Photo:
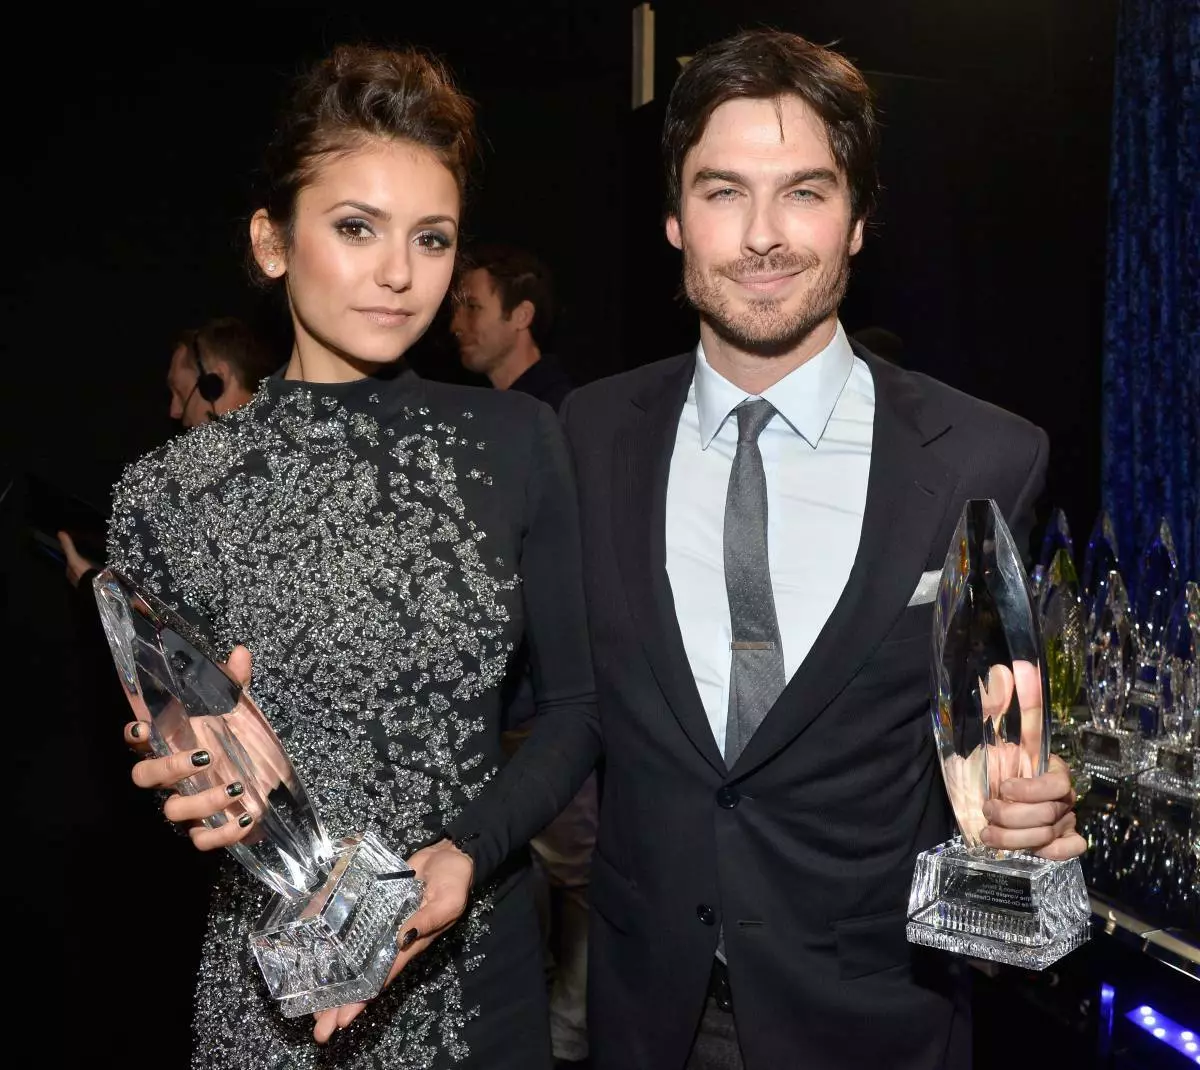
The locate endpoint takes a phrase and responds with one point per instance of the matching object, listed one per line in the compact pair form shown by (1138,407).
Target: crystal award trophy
(1157,588)
(1176,769)
(1099,559)
(1064,632)
(328,935)
(991,722)
(1056,539)
(1111,746)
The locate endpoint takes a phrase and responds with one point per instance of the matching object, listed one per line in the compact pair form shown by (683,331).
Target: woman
(379,544)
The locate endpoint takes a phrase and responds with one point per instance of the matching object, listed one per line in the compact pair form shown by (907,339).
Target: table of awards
(1122,654)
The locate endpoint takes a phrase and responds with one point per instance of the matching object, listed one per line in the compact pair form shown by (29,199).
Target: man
(504,312)
(213,370)
(757,517)
(502,319)
(216,369)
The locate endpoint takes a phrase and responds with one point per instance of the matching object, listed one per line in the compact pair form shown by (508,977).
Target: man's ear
(674,234)
(522,316)
(232,394)
(856,236)
(221,367)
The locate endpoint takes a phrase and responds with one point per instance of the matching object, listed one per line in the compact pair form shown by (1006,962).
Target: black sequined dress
(381,546)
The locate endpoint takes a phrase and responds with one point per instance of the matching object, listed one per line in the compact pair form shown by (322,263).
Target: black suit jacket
(804,851)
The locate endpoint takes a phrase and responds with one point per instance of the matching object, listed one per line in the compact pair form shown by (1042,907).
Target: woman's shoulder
(187,462)
(513,432)
(511,412)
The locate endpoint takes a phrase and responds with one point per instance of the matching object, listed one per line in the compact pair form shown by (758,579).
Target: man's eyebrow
(796,178)
(711,174)
(812,174)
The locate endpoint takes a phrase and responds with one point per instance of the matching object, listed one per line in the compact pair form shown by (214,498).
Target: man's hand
(1035,814)
(446,872)
(77,564)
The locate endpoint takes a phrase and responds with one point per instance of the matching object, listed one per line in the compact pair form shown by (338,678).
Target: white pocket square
(927,587)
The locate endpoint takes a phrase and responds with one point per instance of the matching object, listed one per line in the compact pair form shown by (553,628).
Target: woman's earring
(271,267)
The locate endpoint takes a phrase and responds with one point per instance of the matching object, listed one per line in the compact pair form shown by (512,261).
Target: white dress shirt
(816,454)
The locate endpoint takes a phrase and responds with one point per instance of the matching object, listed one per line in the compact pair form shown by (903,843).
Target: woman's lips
(387,317)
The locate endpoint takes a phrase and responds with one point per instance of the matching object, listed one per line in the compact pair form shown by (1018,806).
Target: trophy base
(1176,772)
(1018,909)
(336,945)
(1112,754)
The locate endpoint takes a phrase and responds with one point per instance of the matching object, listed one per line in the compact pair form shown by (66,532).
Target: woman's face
(371,256)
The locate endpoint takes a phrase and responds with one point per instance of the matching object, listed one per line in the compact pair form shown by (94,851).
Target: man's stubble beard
(763,328)
(487,361)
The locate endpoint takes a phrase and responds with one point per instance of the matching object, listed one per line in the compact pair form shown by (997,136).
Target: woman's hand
(446,873)
(208,761)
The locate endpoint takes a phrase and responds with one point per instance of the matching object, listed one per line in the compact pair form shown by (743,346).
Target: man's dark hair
(238,344)
(766,65)
(518,276)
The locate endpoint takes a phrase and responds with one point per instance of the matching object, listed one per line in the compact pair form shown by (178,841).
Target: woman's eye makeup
(435,240)
(354,229)
(358,231)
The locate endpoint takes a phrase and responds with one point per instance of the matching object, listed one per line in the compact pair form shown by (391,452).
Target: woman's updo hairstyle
(355,95)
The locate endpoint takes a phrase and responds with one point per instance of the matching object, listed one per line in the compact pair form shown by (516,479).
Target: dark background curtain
(133,164)
(1151,384)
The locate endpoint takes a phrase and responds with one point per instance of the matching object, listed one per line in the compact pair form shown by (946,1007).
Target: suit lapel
(644,446)
(908,490)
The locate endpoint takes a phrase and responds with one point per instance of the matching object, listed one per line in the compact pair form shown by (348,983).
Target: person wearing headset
(214,369)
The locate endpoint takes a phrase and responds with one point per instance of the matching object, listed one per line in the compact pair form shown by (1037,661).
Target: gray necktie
(756,676)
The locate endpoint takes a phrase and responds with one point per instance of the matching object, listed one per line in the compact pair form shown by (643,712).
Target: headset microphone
(210,385)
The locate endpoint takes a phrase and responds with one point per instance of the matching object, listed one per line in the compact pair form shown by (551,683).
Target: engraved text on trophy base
(1018,909)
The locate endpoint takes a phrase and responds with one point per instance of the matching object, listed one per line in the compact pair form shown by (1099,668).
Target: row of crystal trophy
(328,935)
(1137,659)
(991,722)
(1142,668)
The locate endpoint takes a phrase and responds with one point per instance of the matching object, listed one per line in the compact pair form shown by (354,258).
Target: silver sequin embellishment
(351,571)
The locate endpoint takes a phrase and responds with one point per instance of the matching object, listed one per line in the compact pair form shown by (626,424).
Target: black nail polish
(235,789)
(410,938)
(245,821)
(201,757)
(136,730)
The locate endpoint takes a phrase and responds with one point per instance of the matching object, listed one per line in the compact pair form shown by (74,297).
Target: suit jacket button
(728,797)
(706,914)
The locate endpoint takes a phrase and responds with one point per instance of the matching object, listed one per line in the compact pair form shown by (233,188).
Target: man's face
(484,333)
(764,225)
(187,406)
